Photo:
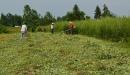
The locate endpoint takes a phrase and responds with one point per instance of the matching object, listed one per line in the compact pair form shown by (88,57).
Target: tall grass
(107,28)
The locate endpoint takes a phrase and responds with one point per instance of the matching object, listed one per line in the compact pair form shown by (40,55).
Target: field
(115,29)
(59,54)
(108,28)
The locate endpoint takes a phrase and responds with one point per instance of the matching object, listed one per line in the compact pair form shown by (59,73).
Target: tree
(82,15)
(97,13)
(69,16)
(106,12)
(27,15)
(11,20)
(41,21)
(59,18)
(3,19)
(87,17)
(48,18)
(78,15)
(17,20)
(75,14)
(31,17)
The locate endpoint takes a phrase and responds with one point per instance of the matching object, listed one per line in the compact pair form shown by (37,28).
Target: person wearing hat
(52,28)
(71,27)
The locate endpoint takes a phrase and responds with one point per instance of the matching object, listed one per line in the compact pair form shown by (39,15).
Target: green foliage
(27,14)
(41,29)
(116,29)
(87,17)
(11,20)
(3,19)
(31,18)
(106,12)
(13,29)
(61,26)
(59,18)
(97,13)
(48,18)
(76,14)
(3,29)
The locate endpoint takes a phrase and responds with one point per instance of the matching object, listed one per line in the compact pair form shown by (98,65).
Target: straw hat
(52,23)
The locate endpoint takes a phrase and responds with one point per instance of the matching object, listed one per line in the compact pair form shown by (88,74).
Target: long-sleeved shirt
(24,28)
(52,26)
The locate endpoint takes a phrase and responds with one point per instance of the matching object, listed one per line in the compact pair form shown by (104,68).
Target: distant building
(17,26)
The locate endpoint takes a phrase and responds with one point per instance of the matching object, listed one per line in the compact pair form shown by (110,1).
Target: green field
(114,29)
(60,54)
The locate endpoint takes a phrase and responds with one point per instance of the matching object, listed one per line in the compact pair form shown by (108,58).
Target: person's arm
(26,28)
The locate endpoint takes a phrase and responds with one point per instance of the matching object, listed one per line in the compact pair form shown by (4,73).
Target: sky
(60,7)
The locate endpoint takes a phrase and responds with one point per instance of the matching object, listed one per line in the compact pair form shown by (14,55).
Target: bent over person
(71,27)
(23,30)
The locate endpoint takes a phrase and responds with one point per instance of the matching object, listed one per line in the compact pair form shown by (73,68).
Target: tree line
(33,19)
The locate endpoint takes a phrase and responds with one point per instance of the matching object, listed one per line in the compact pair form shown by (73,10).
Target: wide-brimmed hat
(70,22)
(52,23)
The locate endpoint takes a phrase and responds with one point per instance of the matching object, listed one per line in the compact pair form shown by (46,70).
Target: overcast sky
(60,7)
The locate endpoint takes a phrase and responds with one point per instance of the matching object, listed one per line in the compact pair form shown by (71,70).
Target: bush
(42,29)
(13,29)
(3,29)
(39,29)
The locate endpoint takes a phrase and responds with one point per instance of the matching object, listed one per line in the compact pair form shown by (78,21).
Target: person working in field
(23,30)
(71,27)
(52,28)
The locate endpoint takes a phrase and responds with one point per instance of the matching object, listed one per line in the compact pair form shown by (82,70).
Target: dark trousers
(52,31)
(23,34)
(71,31)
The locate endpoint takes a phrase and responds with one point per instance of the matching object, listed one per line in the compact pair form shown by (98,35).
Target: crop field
(60,54)
(115,29)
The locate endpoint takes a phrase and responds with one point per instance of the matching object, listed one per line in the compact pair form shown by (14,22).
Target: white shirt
(24,28)
(52,26)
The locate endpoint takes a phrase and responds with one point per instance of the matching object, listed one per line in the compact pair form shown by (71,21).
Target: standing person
(52,28)
(71,27)
(23,30)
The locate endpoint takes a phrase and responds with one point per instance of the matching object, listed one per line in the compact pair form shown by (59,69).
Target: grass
(115,29)
(60,54)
